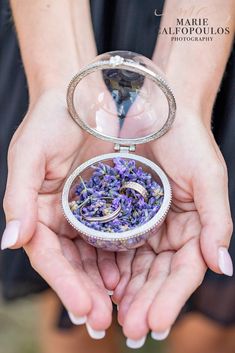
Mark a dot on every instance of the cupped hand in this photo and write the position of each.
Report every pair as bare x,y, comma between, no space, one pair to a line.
158,278
190,156
46,147
36,209
198,174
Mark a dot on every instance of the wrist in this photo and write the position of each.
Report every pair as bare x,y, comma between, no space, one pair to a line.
55,76
195,90
42,78
193,99
187,117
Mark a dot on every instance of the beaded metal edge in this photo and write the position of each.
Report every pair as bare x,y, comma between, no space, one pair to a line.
125,64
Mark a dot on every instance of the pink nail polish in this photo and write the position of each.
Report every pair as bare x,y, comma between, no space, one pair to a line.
225,261
10,235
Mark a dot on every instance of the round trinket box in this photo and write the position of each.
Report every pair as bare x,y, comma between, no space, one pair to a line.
117,200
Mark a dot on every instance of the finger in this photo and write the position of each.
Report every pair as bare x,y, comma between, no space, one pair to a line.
108,268
124,261
46,257
100,316
135,325
187,272
211,199
88,257
25,175
140,268
49,213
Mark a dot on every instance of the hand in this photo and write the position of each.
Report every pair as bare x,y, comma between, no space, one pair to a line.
190,156
44,150
198,174
158,278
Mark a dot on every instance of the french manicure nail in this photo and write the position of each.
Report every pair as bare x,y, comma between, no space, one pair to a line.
110,292
96,335
134,344
77,320
10,235
160,336
225,261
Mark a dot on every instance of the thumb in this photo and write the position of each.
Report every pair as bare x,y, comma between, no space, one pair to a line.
25,176
211,199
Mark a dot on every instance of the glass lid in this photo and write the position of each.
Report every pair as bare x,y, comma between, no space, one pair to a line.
122,97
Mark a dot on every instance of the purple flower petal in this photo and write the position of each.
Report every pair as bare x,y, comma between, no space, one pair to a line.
106,181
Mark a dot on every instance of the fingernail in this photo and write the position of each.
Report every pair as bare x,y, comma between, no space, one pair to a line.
117,307
225,262
135,343
96,335
110,292
77,320
160,336
10,235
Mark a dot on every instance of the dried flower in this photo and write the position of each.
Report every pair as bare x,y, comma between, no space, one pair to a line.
105,183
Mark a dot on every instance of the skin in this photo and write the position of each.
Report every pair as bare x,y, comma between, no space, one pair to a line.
52,248
76,279
175,260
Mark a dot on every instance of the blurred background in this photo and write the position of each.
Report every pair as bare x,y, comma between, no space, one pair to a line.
18,326
23,331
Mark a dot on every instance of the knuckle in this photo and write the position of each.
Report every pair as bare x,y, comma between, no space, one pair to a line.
19,146
225,171
14,150
31,258
125,274
11,153
8,200
199,282
219,171
33,262
35,258
229,227
89,263
102,261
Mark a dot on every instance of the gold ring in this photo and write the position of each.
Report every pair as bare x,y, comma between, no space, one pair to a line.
137,187
102,219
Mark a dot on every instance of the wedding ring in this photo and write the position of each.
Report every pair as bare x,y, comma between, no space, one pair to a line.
102,219
137,187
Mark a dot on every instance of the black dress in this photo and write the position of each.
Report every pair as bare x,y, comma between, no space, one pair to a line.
118,25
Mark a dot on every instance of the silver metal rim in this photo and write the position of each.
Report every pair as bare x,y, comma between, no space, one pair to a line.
126,64
148,226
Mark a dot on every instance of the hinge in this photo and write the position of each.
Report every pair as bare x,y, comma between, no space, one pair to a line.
121,148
